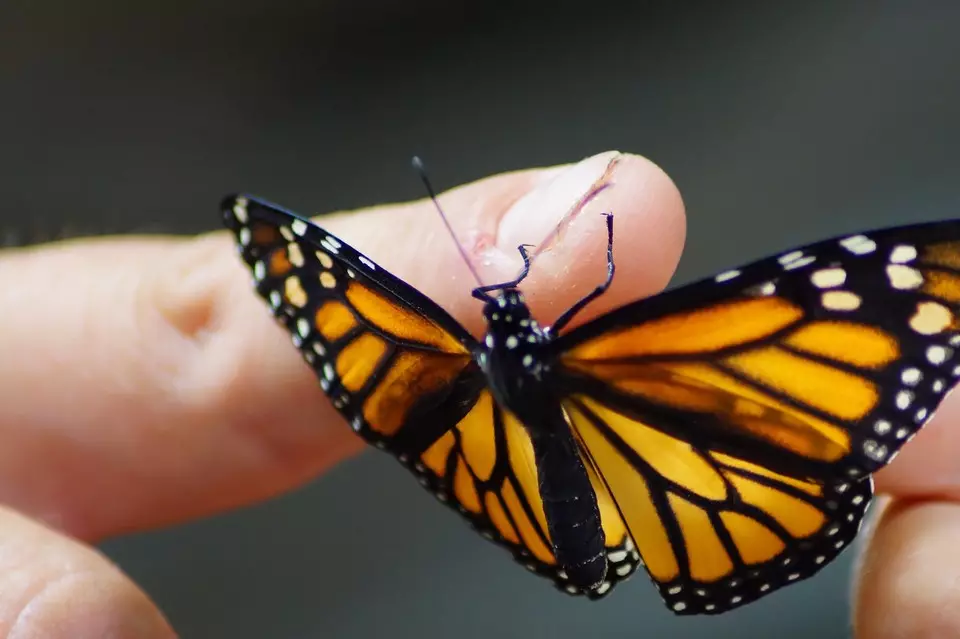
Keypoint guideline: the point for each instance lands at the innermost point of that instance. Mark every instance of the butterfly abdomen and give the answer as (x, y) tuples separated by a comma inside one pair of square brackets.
[(570, 506)]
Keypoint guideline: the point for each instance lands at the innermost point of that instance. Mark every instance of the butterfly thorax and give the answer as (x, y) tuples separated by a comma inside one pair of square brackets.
[(513, 360), (511, 355)]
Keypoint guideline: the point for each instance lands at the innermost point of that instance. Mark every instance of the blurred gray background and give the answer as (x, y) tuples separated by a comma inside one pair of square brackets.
[(780, 122)]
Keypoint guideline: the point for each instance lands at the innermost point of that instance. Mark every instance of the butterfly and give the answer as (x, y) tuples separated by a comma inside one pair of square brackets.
[(721, 434)]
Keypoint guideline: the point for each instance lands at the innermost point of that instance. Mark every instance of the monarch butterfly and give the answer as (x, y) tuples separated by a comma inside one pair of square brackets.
[(721, 434)]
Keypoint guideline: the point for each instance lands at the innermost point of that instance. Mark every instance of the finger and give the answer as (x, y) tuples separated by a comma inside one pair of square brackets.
[(145, 382), (908, 585), (56, 588)]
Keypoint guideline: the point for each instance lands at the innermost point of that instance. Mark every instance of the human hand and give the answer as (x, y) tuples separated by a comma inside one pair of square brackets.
[(145, 385)]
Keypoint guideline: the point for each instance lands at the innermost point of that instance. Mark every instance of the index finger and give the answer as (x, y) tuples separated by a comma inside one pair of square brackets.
[(145, 383)]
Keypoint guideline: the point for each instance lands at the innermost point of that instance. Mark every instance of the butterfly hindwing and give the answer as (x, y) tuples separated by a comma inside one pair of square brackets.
[(484, 466), (720, 412)]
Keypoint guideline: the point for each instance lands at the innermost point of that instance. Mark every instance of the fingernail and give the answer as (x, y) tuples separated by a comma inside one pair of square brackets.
[(535, 216)]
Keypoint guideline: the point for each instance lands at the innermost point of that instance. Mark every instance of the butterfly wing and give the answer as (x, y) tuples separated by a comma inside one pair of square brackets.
[(485, 467), (736, 421), (401, 372)]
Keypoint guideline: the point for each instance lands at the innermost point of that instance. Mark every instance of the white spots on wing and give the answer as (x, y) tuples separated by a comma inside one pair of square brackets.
[(319, 349), (840, 301), (286, 233), (240, 210), (275, 299), (829, 277), (856, 501), (903, 254), (329, 246), (528, 360), (859, 244), (624, 569), (303, 327), (709, 607), (727, 275), (295, 255), (489, 341), (327, 280), (328, 372), (904, 278), (334, 242), (764, 587), (938, 386), (875, 451), (792, 256), (902, 433), (767, 288), (325, 260), (616, 556), (921, 415), (882, 427), (603, 588), (799, 263), (931, 318), (904, 399), (736, 599), (911, 376), (299, 227), (512, 342), (244, 236), (356, 423), (937, 354), (370, 265), (259, 270), (679, 606)]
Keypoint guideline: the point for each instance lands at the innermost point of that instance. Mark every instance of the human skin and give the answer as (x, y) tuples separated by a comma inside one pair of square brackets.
[(144, 384)]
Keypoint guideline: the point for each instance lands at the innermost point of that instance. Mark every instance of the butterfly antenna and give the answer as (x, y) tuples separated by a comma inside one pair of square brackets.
[(422, 172)]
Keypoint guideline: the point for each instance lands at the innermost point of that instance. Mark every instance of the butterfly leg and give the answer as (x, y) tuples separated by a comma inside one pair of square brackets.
[(564, 319), (481, 291)]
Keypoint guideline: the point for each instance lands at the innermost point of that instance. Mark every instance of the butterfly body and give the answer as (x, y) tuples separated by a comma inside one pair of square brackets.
[(520, 377), (722, 435)]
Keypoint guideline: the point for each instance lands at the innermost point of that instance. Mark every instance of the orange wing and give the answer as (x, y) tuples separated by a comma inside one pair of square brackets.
[(401, 372), (485, 467), (736, 422)]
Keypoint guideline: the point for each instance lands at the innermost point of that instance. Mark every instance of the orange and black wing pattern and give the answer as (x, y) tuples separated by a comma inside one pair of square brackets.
[(735, 422), (402, 373)]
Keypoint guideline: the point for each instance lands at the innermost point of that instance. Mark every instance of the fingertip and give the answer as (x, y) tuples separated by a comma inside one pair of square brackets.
[(649, 228), (907, 584), (54, 587)]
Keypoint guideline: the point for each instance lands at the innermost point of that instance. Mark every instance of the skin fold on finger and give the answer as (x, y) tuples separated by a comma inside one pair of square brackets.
[(145, 383), (908, 585), (52, 587)]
